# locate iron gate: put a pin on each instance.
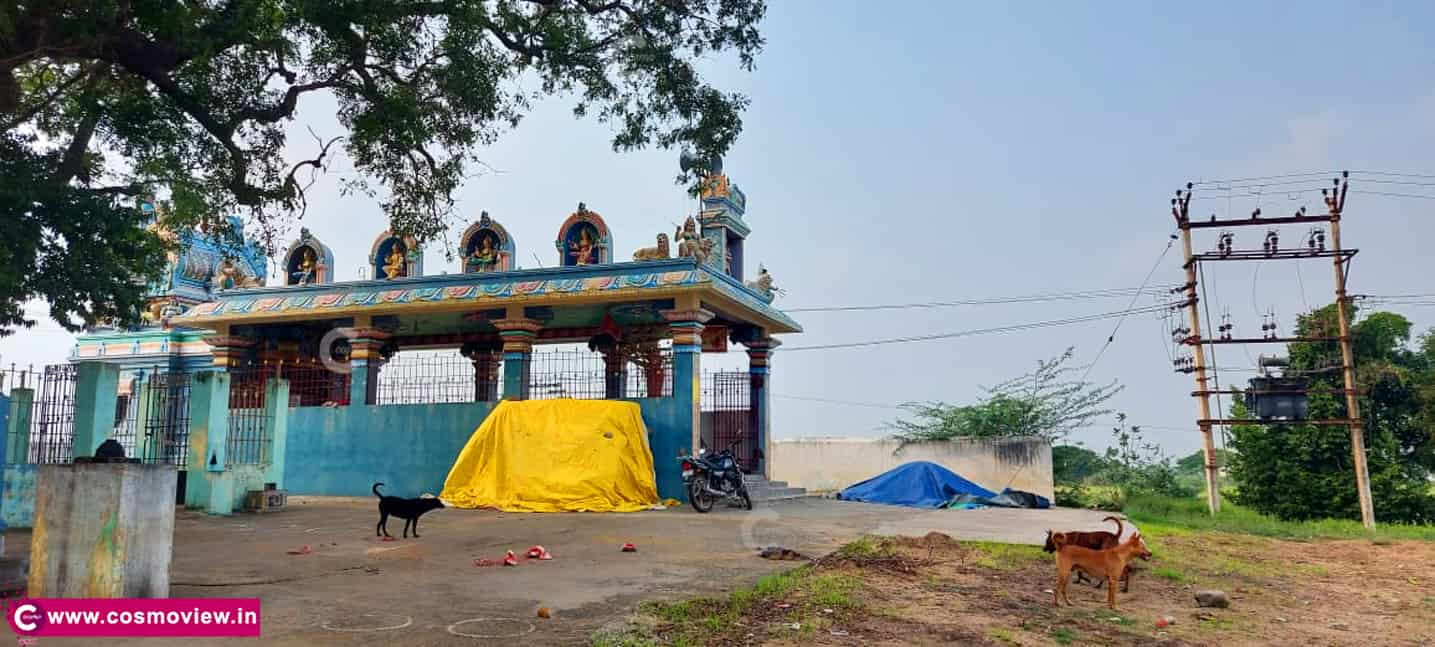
(727, 403)
(52, 422)
(152, 417)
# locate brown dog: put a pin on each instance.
(1109, 563)
(1096, 540)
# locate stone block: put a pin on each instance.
(102, 530)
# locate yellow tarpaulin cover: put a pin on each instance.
(556, 456)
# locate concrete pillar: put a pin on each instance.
(96, 387)
(102, 530)
(276, 403)
(759, 358)
(364, 362)
(21, 408)
(687, 328)
(615, 383)
(486, 357)
(142, 397)
(209, 486)
(518, 334)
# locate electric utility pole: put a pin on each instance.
(1271, 250)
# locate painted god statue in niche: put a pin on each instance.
(484, 257)
(308, 266)
(394, 262)
(584, 250)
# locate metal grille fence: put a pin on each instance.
(727, 404)
(567, 374)
(311, 384)
(429, 379)
(249, 442)
(164, 436)
(582, 375)
(52, 417)
(650, 376)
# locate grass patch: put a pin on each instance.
(1005, 557)
(1063, 635)
(1002, 634)
(802, 595)
(1172, 574)
(1170, 513)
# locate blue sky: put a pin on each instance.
(943, 150)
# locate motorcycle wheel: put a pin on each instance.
(699, 497)
(746, 500)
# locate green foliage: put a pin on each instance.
(1299, 472)
(1045, 403)
(85, 252)
(1164, 515)
(1137, 466)
(191, 100)
(1074, 464)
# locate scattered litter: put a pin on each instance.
(784, 605)
(1281, 620)
(837, 632)
(630, 548)
(827, 611)
(509, 559)
(539, 553)
(544, 612)
(302, 551)
(672, 503)
(1165, 621)
(796, 626)
(484, 562)
(390, 539)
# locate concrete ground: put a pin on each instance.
(353, 589)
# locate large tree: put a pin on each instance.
(1305, 471)
(104, 101)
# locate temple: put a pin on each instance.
(305, 385)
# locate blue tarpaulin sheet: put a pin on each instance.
(918, 484)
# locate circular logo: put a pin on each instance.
(334, 349)
(25, 618)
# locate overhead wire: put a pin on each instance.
(979, 331)
(997, 300)
(1112, 337)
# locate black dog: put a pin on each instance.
(407, 509)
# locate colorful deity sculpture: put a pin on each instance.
(394, 262)
(691, 243)
(582, 249)
(763, 285)
(583, 239)
(486, 247)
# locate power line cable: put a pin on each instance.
(981, 331)
(1112, 337)
(1033, 298)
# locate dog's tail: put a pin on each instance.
(376, 493)
(1119, 528)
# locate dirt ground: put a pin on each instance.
(352, 589)
(939, 591)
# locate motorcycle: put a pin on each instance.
(711, 478)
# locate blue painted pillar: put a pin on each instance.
(209, 486)
(686, 328)
(364, 363)
(276, 403)
(20, 410)
(518, 335)
(4, 433)
(759, 358)
(96, 389)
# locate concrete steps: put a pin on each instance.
(761, 489)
